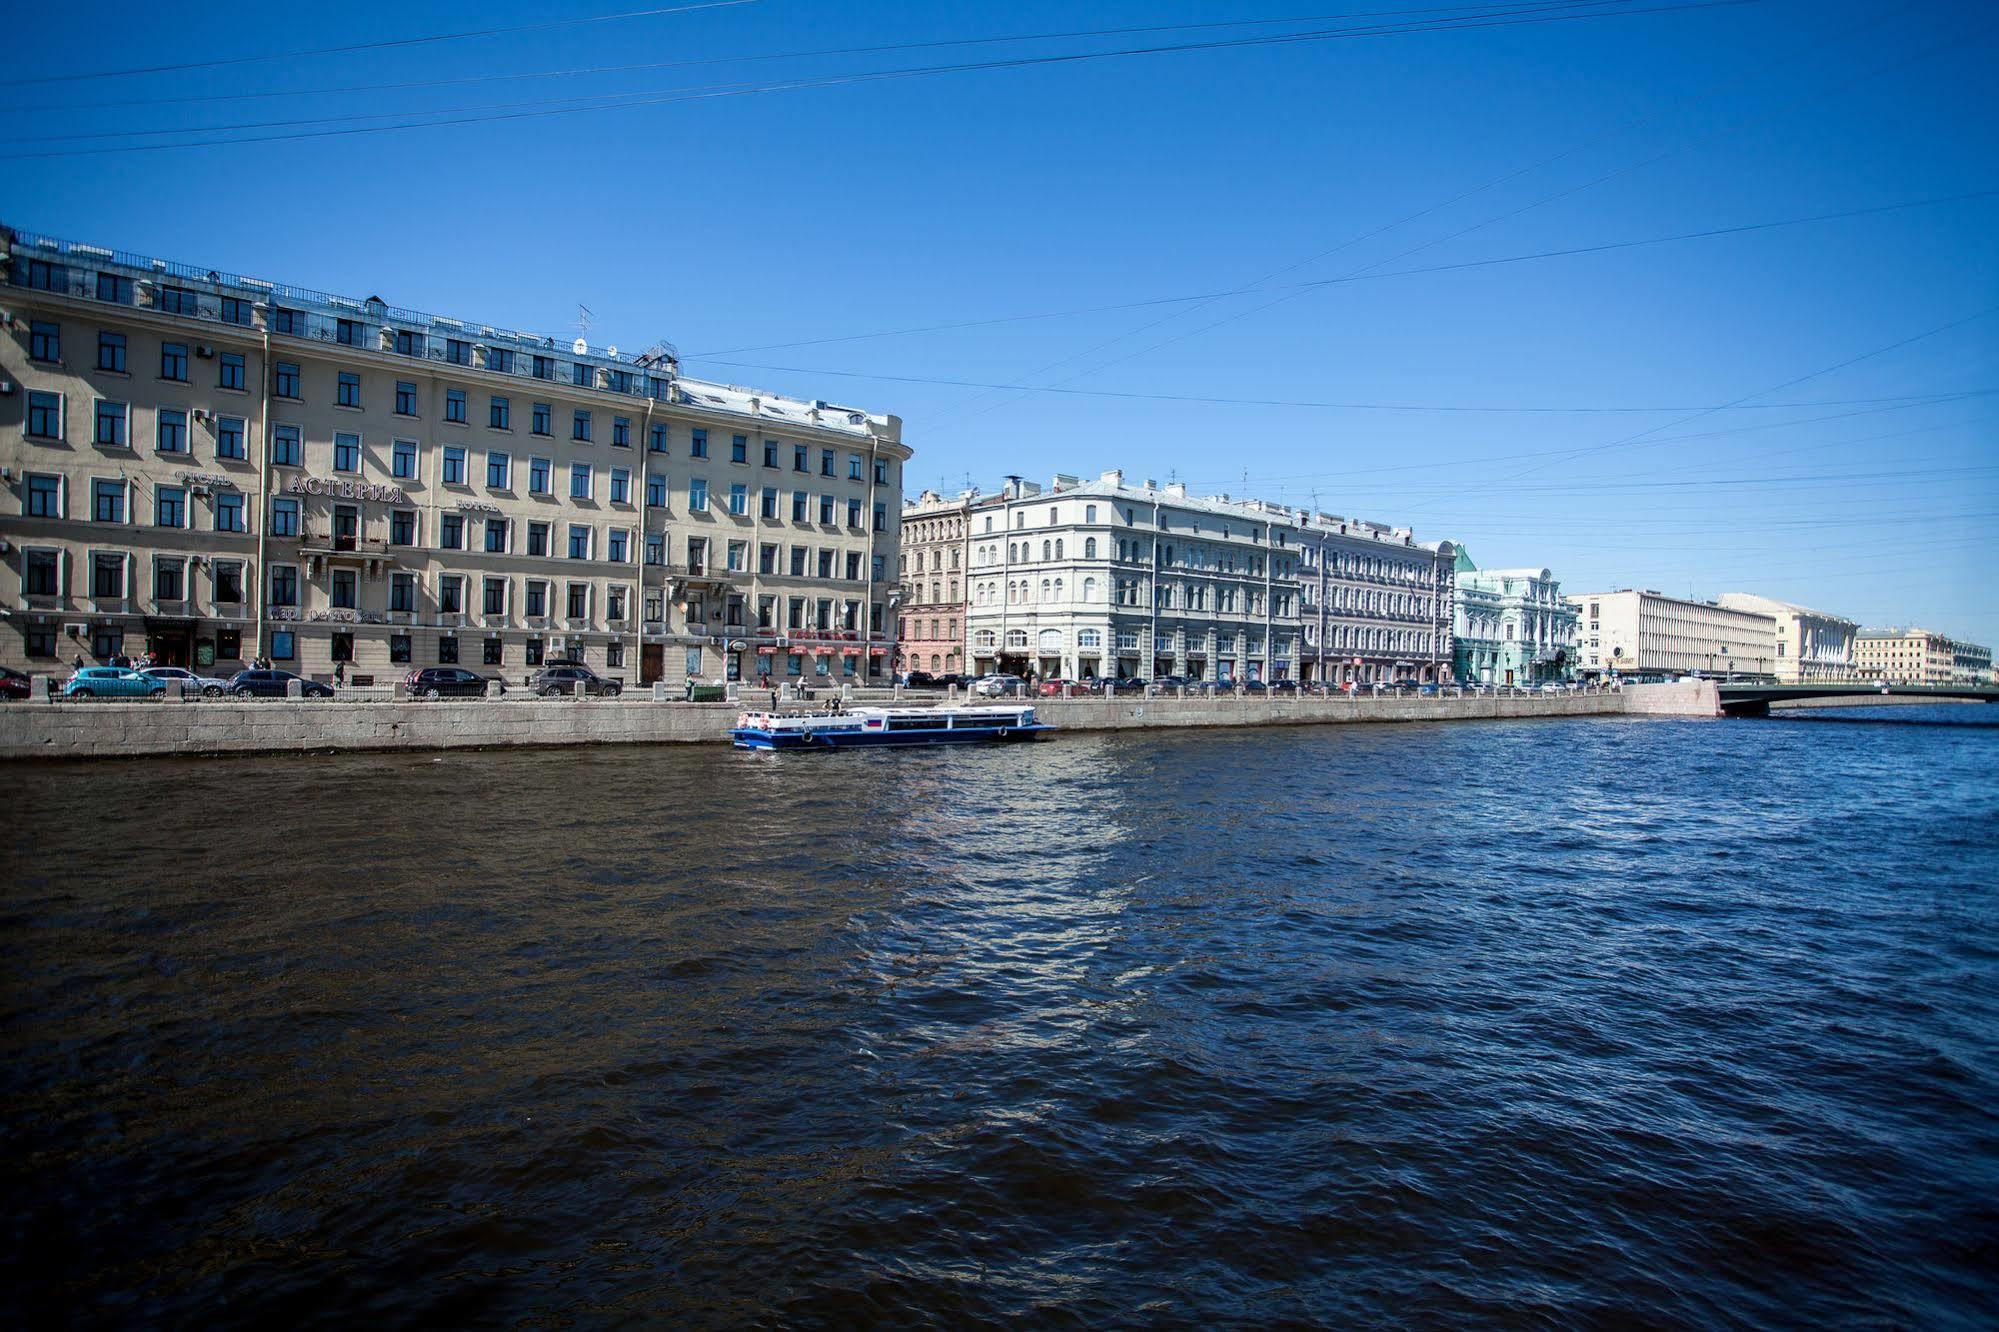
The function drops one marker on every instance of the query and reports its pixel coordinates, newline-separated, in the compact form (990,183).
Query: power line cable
(181,66)
(443,119)
(597,71)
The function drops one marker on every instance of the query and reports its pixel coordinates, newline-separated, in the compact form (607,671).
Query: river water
(1610,1022)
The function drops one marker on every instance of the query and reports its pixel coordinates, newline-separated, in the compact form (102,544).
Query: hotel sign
(214,480)
(361,490)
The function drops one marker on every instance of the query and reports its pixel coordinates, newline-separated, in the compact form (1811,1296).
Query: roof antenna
(584,314)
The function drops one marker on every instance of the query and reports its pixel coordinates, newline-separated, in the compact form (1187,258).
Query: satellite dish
(612,351)
(580,346)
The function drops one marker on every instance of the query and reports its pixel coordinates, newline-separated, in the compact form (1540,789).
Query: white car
(996,686)
(206,685)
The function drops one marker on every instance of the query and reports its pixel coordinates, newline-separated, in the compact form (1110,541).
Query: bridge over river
(1754,700)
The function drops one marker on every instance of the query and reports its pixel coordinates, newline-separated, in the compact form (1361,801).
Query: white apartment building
(1629,632)
(1105,580)
(1102,579)
(1811,645)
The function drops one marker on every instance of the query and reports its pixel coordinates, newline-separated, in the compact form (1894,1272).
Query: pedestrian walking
(339,675)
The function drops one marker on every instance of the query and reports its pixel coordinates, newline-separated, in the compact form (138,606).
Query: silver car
(205,685)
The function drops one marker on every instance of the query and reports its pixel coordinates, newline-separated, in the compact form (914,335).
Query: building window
(45,416)
(493,652)
(854,513)
(621,433)
(169,507)
(402,591)
(229,512)
(408,343)
(347,393)
(39,574)
(284,380)
(171,432)
(284,645)
(697,495)
(454,406)
(457,351)
(44,341)
(538,539)
(854,467)
(447,651)
(621,486)
(697,446)
(579,601)
(655,491)
(739,500)
(500,360)
(499,470)
(495,591)
(616,545)
(579,426)
(346,453)
(825,510)
(228,590)
(656,439)
(402,529)
(537,598)
(496,536)
(655,550)
(579,481)
(286,450)
(112,287)
(825,462)
(399,649)
(454,467)
(538,476)
(538,421)
(579,541)
(343,589)
(284,517)
(44,497)
(402,459)
(284,585)
(799,500)
(581,376)
(739,449)
(229,438)
(111,352)
(451,531)
(451,595)
(499,414)
(405,398)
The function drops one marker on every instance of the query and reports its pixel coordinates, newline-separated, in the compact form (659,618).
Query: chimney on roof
(1178,490)
(1114,477)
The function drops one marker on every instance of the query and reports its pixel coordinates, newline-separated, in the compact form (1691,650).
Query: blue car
(112,682)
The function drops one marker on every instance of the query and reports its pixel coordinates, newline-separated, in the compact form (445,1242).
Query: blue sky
(814,215)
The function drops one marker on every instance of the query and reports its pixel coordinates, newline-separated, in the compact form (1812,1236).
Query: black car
(447,682)
(921,680)
(1283,686)
(557,681)
(15,684)
(274,684)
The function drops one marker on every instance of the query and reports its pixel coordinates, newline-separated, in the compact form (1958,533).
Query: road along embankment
(99,729)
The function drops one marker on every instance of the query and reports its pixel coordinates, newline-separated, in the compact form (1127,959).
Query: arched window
(1089,548)
(1089,638)
(1016,638)
(984,638)
(1047,550)
(935,663)
(1058,548)
(1058,589)
(1044,589)
(1050,640)
(1089,589)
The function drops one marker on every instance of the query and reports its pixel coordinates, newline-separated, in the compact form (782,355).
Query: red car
(14,685)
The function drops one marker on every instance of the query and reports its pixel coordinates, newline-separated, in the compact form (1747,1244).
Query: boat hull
(854,738)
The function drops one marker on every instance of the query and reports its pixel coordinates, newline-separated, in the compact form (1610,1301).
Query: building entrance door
(652,662)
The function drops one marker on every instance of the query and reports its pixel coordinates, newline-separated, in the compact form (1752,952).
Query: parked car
(997,686)
(1283,686)
(557,681)
(449,682)
(209,686)
(1061,688)
(112,682)
(919,680)
(15,684)
(275,684)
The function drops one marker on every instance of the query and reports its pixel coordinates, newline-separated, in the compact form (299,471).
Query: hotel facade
(213,468)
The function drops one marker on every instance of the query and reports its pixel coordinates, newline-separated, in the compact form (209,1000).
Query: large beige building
(1631,632)
(1905,656)
(213,468)
(1812,646)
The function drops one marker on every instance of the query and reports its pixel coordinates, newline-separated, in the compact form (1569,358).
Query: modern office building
(935,542)
(212,468)
(1631,632)
(1105,579)
(1811,645)
(1910,655)
(1511,626)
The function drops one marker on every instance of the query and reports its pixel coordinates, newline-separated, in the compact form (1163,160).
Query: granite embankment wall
(102,729)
